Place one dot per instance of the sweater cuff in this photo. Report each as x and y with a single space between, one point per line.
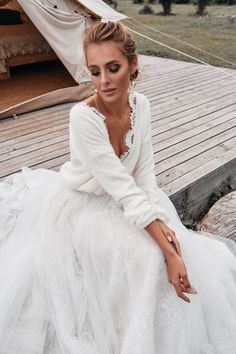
142 217
160 214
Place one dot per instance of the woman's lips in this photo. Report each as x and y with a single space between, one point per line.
108 92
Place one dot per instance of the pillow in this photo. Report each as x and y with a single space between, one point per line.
10 17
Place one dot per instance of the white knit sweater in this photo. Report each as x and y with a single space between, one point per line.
95 168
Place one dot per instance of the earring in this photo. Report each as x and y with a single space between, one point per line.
132 85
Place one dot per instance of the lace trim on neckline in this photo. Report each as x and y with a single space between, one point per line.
128 137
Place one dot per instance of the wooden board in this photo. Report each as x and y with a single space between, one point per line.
193 132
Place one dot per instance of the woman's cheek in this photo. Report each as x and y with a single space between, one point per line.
94 81
123 78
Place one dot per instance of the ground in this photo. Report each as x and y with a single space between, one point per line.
32 80
214 33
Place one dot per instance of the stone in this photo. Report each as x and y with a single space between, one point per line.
233 18
221 218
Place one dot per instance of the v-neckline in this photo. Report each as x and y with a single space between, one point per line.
128 137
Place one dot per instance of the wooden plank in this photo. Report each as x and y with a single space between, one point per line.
8 123
37 134
206 139
43 113
189 130
9 156
53 163
34 159
185 121
188 102
181 91
191 195
195 79
167 174
31 128
18 145
207 107
166 76
189 178
194 151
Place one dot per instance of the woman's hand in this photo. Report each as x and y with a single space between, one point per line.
177 273
177 276
170 236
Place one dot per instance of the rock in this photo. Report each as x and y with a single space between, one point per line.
233 18
221 218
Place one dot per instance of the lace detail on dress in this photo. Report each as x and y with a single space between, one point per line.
8 216
128 138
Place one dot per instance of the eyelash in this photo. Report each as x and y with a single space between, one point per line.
112 70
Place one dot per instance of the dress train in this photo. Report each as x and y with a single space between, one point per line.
77 278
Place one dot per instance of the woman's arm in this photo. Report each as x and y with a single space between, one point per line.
176 269
90 144
145 178
144 175
144 171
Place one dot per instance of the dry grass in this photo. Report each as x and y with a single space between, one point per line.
214 33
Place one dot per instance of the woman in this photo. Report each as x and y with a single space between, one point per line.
94 259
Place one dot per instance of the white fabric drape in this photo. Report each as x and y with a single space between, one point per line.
62 29
63 25
103 10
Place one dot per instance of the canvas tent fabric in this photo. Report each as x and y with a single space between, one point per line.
63 22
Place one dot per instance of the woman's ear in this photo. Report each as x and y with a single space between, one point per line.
133 65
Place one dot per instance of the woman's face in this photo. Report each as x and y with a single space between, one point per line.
109 69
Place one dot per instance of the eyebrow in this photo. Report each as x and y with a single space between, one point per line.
110 62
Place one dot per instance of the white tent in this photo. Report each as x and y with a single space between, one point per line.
62 23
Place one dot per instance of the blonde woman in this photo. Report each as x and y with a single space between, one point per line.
94 259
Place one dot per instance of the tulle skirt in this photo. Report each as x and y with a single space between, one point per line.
77 278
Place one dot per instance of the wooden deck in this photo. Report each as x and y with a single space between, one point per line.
193 127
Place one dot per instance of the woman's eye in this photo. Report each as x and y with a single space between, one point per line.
94 73
114 68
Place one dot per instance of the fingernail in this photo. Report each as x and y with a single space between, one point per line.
192 291
169 238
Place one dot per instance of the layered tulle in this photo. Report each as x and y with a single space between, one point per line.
77 278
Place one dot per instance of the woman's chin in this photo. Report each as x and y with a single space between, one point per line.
112 96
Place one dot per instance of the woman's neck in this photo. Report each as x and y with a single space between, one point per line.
114 110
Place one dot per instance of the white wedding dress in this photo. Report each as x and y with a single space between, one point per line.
80 275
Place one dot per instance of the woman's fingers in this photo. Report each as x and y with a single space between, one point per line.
177 246
185 280
186 284
178 277
180 292
170 235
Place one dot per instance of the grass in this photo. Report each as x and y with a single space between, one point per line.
214 32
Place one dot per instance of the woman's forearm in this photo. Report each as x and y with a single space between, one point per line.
156 233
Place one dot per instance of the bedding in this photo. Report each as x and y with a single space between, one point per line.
19 41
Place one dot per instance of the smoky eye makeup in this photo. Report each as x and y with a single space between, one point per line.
113 68
94 72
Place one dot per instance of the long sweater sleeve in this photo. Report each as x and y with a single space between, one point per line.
90 144
144 172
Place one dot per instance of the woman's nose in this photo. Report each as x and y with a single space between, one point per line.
104 77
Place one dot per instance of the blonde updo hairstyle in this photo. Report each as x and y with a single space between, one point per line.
112 31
